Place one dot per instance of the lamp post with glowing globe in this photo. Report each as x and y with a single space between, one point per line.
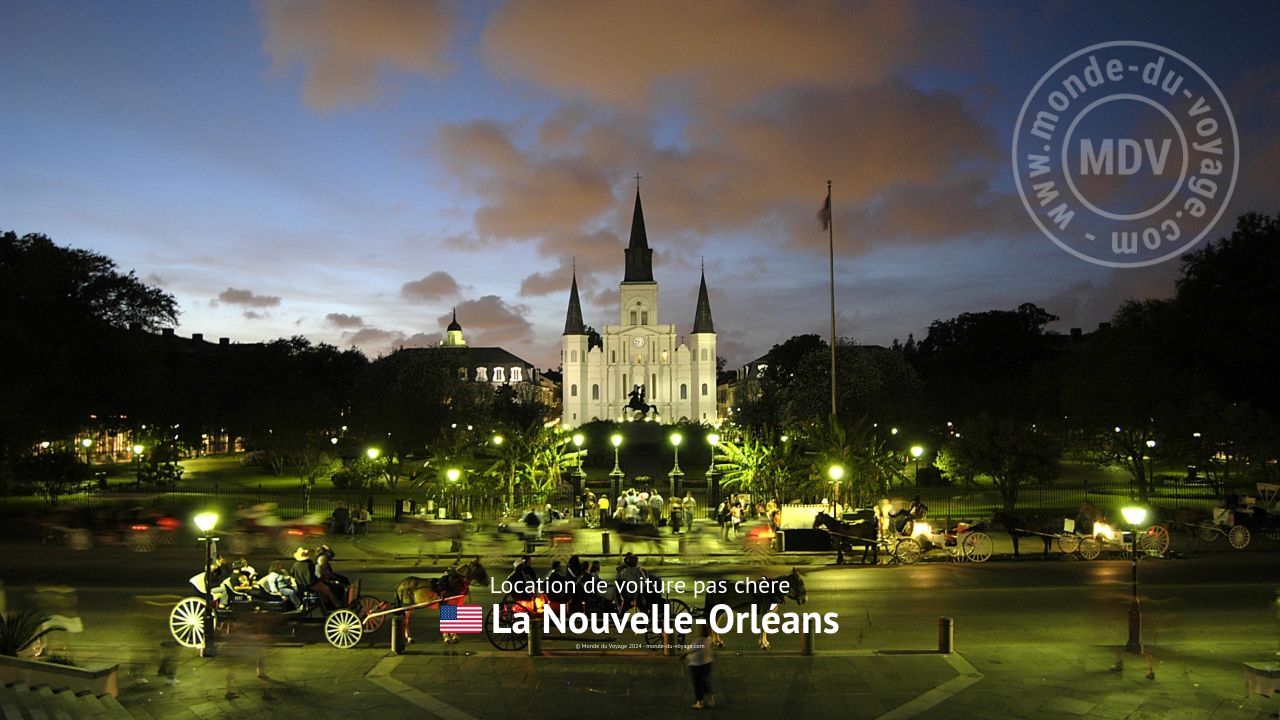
676 474
836 473
1135 516
713 486
578 475
916 452
206 522
615 475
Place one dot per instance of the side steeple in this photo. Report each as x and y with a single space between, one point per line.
702 317
573 324
639 255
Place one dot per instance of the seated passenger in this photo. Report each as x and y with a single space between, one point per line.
279 584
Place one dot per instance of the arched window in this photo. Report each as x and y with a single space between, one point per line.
704 389
573 391
595 392
704 354
684 391
573 356
462 373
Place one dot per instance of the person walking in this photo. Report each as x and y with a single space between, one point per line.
676 510
690 509
603 506
699 657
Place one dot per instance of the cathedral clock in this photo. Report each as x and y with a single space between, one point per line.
638 341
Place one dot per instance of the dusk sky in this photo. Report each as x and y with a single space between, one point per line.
351 171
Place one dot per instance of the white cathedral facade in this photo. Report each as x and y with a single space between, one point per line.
640 357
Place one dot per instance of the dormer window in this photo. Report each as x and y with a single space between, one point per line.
462 373
499 375
482 374
516 375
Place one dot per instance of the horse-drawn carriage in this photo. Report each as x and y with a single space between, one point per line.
907 540
260 526
1087 536
1237 520
344 627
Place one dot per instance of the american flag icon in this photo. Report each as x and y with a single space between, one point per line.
461 619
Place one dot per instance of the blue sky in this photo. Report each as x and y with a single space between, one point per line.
291 168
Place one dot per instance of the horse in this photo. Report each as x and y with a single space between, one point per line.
765 600
1030 526
847 535
635 533
452 589
638 404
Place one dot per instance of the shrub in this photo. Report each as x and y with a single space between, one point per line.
21 630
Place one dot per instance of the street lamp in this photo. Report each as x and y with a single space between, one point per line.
615 475
836 473
137 463
1135 516
578 475
497 439
714 487
206 522
916 452
676 474
453 474
372 453
86 444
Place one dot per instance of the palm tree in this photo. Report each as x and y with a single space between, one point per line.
21 630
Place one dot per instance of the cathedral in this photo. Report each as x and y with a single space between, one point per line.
640 368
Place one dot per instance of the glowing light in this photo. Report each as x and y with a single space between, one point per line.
453 474
373 453
616 440
835 472
713 439
916 451
206 521
921 529
676 439
1134 515
578 439
497 439
86 443
137 449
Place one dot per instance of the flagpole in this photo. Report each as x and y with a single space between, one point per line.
831 258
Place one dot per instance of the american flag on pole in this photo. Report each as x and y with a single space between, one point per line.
461 619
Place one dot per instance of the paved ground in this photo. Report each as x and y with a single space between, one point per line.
1021 681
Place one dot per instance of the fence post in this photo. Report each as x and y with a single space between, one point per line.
604 542
397 633
806 642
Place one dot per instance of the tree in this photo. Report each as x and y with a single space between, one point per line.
1010 453
53 472
984 362
61 313
1227 302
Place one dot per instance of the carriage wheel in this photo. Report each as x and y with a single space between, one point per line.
240 543
1090 548
366 604
288 544
1069 544
1239 537
907 551
977 547
1207 532
1272 533
186 622
678 608
343 628
141 541
759 553
504 641
1155 541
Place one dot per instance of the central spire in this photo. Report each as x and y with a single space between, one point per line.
573 324
639 256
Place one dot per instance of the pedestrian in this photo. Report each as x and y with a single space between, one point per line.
675 511
735 517
699 657
656 506
603 506
690 509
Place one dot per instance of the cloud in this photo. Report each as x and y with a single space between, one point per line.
721 51
253 315
344 47
343 320
490 320
232 296
435 286
380 341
